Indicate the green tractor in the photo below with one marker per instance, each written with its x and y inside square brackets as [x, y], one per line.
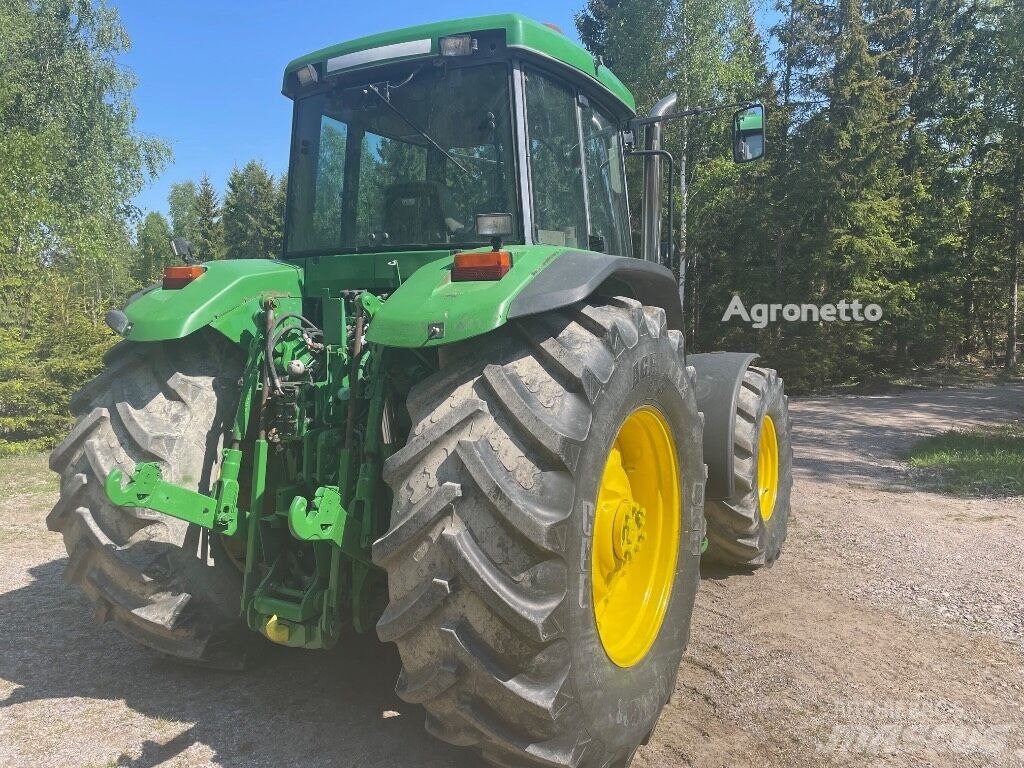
[457, 412]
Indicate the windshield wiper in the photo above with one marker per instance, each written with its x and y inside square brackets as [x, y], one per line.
[420, 131]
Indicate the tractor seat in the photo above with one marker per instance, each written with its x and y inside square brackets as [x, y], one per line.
[413, 213]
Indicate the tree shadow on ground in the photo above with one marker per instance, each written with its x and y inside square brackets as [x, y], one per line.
[850, 439]
[291, 707]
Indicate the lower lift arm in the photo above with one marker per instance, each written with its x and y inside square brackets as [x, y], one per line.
[146, 488]
[324, 519]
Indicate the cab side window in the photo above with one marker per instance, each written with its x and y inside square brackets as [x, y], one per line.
[606, 187]
[559, 210]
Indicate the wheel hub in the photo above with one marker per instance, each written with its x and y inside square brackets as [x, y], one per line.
[628, 533]
[636, 536]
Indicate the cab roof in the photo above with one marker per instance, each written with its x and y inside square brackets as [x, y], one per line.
[521, 33]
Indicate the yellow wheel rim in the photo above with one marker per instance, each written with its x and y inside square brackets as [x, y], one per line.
[767, 468]
[636, 537]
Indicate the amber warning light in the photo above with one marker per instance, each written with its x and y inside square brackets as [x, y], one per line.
[490, 265]
[179, 277]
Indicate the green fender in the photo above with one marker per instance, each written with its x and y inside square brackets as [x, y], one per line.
[227, 297]
[430, 310]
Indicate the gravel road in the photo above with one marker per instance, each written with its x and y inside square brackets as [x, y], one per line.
[890, 633]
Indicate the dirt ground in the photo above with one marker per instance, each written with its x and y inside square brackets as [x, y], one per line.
[891, 633]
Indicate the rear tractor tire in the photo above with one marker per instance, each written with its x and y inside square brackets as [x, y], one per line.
[162, 582]
[544, 548]
[749, 528]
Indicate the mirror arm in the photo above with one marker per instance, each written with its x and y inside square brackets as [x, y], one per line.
[640, 122]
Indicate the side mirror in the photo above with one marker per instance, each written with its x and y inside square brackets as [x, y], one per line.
[748, 134]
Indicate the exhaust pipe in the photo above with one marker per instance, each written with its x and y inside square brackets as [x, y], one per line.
[651, 231]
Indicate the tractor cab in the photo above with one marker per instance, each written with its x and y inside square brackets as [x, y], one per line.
[446, 136]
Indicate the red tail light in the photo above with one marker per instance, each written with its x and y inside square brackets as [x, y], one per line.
[491, 265]
[179, 277]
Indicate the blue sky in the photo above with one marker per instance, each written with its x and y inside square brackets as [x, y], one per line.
[210, 72]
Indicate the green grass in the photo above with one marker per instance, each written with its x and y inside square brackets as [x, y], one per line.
[976, 463]
[27, 473]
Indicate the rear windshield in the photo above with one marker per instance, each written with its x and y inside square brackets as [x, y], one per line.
[405, 163]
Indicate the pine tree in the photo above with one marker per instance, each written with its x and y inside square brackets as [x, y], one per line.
[252, 222]
[852, 170]
[1010, 46]
[209, 242]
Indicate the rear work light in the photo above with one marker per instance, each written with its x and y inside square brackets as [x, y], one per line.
[179, 277]
[457, 45]
[490, 265]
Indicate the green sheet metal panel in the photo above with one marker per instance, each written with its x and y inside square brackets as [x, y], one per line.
[520, 33]
[226, 296]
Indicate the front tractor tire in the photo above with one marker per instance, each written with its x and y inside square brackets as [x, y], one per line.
[749, 529]
[544, 548]
[162, 582]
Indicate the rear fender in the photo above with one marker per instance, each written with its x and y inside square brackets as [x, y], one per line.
[228, 297]
[431, 310]
[719, 377]
[575, 275]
